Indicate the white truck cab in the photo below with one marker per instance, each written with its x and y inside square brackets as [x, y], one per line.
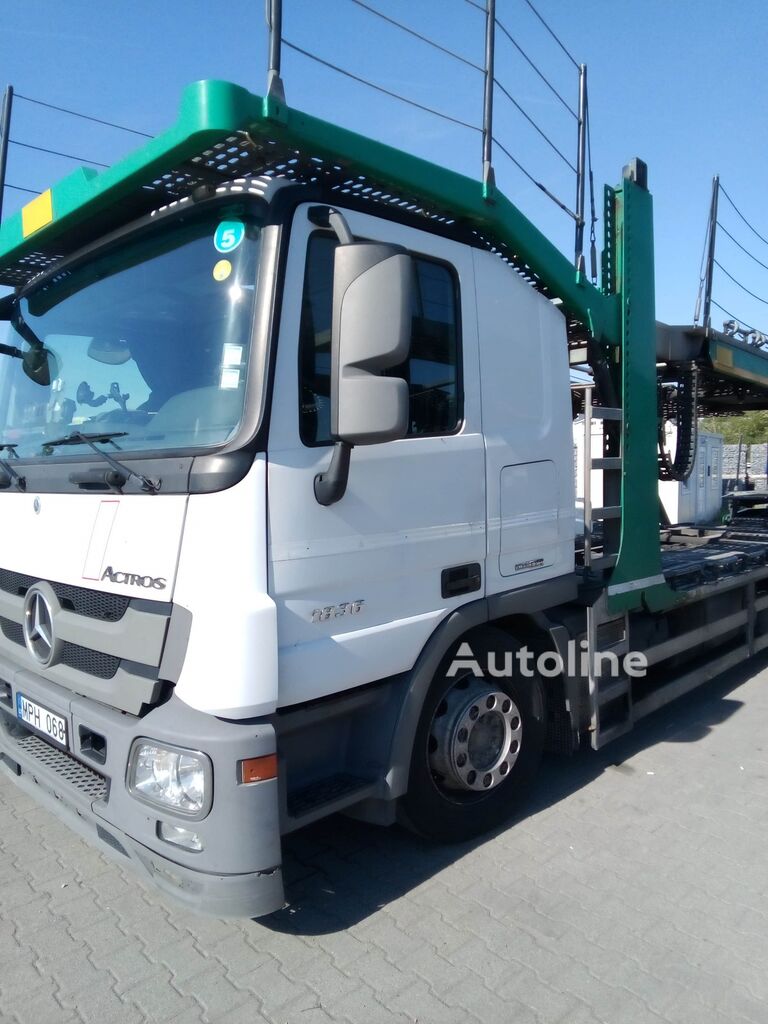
[208, 645]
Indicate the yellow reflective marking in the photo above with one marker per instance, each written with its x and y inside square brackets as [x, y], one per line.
[37, 214]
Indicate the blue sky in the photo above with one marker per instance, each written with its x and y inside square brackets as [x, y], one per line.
[679, 83]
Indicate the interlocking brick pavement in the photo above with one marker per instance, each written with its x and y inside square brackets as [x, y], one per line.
[631, 889]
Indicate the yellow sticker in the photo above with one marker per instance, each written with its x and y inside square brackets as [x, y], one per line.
[36, 214]
[222, 270]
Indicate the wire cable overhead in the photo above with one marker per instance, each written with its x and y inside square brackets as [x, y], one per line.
[740, 246]
[531, 121]
[86, 117]
[554, 35]
[417, 35]
[538, 71]
[56, 152]
[740, 214]
[379, 88]
[740, 285]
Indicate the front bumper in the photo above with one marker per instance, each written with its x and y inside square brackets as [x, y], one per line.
[236, 874]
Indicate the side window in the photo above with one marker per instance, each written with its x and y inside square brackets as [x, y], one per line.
[432, 369]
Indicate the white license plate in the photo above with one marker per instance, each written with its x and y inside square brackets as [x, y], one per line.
[42, 720]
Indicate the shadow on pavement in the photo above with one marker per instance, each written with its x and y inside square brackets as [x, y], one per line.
[340, 871]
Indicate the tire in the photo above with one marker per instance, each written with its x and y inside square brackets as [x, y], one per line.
[444, 802]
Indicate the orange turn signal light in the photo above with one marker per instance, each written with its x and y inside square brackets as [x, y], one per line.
[258, 769]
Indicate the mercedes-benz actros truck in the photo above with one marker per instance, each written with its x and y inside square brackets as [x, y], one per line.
[287, 496]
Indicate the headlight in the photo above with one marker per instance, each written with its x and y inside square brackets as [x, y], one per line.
[170, 777]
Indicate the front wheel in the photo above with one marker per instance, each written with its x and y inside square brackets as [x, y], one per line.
[478, 744]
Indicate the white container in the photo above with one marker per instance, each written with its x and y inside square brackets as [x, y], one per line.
[696, 501]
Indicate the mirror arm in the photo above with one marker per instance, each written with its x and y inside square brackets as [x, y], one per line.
[328, 217]
[331, 486]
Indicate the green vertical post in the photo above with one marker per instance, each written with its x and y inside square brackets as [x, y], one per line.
[637, 578]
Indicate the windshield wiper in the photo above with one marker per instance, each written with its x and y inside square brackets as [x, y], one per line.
[76, 437]
[10, 473]
[121, 473]
[7, 468]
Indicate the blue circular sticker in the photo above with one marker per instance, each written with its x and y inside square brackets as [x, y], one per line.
[229, 234]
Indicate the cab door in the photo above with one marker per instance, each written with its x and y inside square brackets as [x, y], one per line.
[360, 585]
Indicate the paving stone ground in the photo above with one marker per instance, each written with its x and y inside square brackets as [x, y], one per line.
[631, 889]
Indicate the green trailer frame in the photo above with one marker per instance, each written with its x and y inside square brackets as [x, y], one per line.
[225, 132]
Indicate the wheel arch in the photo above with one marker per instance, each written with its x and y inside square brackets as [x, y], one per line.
[520, 615]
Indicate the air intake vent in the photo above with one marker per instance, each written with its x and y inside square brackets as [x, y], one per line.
[92, 603]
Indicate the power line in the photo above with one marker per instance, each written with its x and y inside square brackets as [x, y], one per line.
[417, 35]
[530, 177]
[86, 117]
[736, 319]
[743, 249]
[55, 152]
[743, 288]
[379, 88]
[541, 75]
[738, 211]
[554, 35]
[18, 188]
[530, 120]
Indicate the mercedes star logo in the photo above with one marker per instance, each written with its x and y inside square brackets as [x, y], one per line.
[38, 626]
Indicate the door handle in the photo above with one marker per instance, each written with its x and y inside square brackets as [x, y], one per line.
[460, 579]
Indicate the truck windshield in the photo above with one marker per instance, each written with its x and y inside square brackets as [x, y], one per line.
[149, 340]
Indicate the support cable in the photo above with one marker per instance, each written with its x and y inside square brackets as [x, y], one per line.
[554, 35]
[86, 117]
[379, 88]
[743, 249]
[417, 35]
[538, 184]
[541, 74]
[55, 152]
[738, 211]
[530, 120]
[18, 188]
[735, 319]
[743, 287]
[524, 55]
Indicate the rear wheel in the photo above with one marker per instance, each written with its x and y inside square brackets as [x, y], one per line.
[477, 747]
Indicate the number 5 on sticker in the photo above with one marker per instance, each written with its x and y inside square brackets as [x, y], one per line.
[229, 234]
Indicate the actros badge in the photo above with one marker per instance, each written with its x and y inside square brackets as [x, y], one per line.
[134, 579]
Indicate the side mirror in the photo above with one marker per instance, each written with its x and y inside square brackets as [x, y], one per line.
[371, 332]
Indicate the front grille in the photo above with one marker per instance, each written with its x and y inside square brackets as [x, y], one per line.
[12, 630]
[70, 771]
[92, 603]
[94, 663]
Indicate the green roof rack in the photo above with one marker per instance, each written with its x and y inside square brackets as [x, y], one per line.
[223, 132]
